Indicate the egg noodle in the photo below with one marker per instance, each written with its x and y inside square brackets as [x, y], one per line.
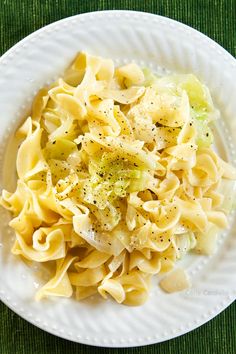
[117, 179]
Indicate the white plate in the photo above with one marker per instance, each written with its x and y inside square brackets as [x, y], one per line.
[161, 44]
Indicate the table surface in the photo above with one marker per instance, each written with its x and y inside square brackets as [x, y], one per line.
[215, 18]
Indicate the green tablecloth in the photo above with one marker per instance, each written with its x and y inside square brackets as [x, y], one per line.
[215, 18]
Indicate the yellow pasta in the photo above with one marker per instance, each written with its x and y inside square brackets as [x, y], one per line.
[117, 180]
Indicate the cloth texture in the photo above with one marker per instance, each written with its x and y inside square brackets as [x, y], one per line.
[215, 18]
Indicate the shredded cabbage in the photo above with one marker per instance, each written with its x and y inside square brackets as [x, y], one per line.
[184, 242]
[204, 134]
[228, 189]
[201, 107]
[150, 78]
[112, 177]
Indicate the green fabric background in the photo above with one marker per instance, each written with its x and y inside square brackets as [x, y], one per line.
[215, 18]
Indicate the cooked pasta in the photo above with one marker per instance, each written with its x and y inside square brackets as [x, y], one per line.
[117, 180]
